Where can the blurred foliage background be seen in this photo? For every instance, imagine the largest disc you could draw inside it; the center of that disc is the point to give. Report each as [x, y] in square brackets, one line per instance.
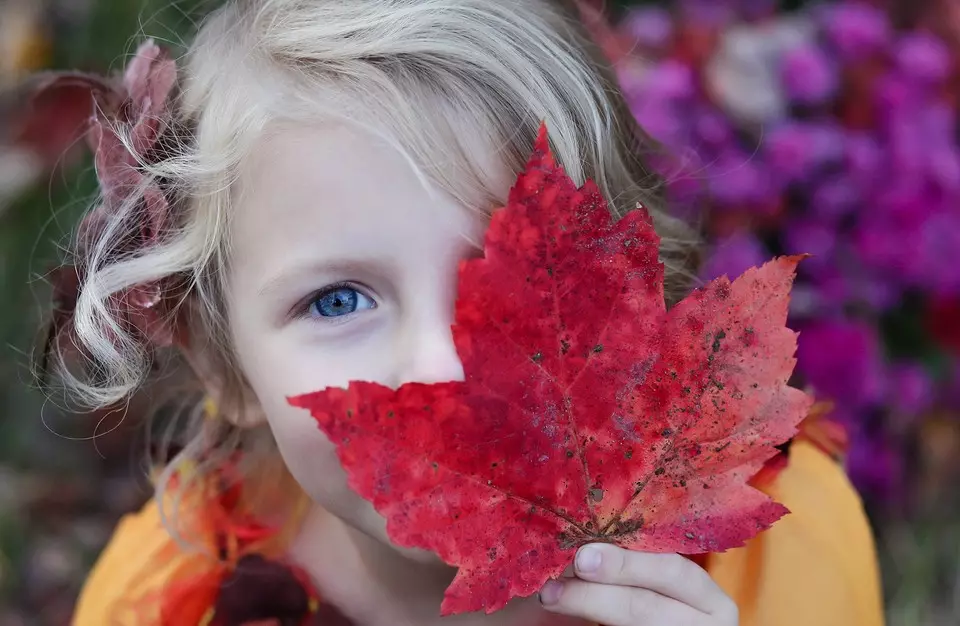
[828, 127]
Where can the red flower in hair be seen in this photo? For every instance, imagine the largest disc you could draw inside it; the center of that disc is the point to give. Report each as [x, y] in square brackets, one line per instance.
[133, 107]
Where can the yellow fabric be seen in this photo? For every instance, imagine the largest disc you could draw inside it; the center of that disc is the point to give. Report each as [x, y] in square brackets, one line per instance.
[123, 587]
[815, 567]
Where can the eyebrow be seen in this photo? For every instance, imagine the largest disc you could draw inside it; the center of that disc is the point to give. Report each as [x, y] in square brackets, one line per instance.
[294, 273]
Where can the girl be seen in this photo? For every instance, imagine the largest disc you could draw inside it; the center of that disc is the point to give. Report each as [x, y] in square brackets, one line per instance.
[286, 211]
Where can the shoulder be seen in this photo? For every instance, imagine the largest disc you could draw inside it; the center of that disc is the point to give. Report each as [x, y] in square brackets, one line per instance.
[818, 564]
[124, 586]
[215, 569]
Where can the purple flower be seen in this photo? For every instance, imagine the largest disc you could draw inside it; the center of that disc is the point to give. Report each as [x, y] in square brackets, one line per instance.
[876, 291]
[938, 242]
[841, 360]
[834, 288]
[834, 198]
[713, 128]
[910, 388]
[884, 247]
[755, 9]
[650, 26]
[734, 255]
[670, 80]
[660, 119]
[706, 12]
[738, 180]
[808, 235]
[788, 150]
[809, 76]
[854, 29]
[864, 158]
[924, 58]
[906, 148]
[795, 150]
[943, 167]
[875, 467]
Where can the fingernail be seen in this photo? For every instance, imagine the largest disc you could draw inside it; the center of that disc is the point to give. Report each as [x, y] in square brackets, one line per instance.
[551, 592]
[588, 560]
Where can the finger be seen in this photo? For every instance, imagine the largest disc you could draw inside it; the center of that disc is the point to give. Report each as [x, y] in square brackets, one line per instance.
[615, 605]
[670, 575]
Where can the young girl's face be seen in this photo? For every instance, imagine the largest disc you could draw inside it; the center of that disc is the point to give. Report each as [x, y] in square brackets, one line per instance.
[344, 267]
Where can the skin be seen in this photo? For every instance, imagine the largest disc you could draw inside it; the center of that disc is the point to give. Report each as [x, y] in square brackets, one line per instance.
[325, 205]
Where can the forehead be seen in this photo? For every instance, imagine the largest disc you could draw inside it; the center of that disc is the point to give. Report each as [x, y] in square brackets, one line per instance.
[336, 189]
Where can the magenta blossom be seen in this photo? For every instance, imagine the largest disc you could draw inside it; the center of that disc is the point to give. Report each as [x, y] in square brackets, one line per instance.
[841, 359]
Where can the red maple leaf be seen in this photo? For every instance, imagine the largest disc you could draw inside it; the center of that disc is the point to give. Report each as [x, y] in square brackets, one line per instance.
[588, 411]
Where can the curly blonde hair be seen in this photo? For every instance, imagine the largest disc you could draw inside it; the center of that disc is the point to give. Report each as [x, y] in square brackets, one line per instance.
[495, 67]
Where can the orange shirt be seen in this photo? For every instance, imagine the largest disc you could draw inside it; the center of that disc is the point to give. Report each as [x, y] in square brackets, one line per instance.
[815, 567]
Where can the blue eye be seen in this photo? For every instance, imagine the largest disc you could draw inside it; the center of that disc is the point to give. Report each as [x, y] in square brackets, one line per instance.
[339, 300]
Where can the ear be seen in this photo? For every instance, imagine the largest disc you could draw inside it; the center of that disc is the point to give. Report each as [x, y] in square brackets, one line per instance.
[229, 395]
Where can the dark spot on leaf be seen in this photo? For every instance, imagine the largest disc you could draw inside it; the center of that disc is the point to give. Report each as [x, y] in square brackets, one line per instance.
[666, 432]
[536, 358]
[569, 454]
[349, 413]
[689, 535]
[659, 471]
[673, 375]
[494, 464]
[722, 448]
[564, 346]
[598, 347]
[716, 340]
[435, 466]
[390, 414]
[549, 271]
[596, 494]
[686, 391]
[628, 454]
[683, 483]
[755, 385]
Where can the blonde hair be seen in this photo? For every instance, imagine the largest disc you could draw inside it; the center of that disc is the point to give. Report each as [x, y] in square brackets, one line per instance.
[495, 67]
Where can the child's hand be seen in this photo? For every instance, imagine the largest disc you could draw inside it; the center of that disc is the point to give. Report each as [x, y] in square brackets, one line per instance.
[618, 587]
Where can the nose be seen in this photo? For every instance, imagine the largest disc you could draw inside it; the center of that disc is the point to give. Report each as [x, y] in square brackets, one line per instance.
[427, 354]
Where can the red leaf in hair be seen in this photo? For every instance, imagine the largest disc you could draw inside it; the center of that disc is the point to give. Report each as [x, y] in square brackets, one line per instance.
[149, 79]
[137, 106]
[57, 112]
